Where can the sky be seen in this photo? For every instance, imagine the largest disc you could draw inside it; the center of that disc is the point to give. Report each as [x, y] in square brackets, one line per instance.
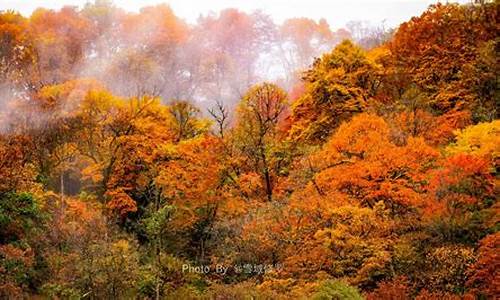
[336, 12]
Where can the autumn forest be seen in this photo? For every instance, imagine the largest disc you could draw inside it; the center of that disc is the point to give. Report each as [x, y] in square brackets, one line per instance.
[143, 156]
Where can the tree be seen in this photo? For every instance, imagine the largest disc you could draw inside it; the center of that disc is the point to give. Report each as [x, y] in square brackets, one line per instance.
[437, 48]
[17, 53]
[114, 127]
[151, 42]
[337, 290]
[358, 242]
[220, 115]
[340, 84]
[16, 172]
[20, 215]
[231, 42]
[362, 163]
[463, 201]
[481, 140]
[342, 221]
[256, 133]
[62, 40]
[368, 35]
[300, 40]
[464, 182]
[485, 270]
[187, 121]
[80, 261]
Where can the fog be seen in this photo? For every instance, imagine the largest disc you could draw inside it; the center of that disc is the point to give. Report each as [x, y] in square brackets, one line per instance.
[203, 55]
[336, 12]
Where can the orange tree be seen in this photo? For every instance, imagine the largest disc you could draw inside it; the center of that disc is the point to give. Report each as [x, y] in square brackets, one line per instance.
[442, 52]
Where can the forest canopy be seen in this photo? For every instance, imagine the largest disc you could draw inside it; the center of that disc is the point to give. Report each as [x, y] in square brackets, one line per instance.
[144, 157]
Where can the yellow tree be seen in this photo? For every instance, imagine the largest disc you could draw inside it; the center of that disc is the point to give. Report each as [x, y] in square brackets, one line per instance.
[340, 84]
[482, 140]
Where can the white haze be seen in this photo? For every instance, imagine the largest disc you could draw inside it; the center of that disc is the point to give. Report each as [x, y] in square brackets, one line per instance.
[336, 12]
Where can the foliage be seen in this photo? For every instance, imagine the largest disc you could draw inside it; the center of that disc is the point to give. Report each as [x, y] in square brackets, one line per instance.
[19, 219]
[339, 85]
[437, 50]
[257, 134]
[377, 177]
[481, 140]
[396, 289]
[337, 290]
[485, 270]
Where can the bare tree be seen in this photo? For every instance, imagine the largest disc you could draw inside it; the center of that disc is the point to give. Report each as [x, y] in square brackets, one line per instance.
[221, 116]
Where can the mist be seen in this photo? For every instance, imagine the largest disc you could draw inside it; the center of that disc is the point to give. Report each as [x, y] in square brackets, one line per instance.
[215, 58]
